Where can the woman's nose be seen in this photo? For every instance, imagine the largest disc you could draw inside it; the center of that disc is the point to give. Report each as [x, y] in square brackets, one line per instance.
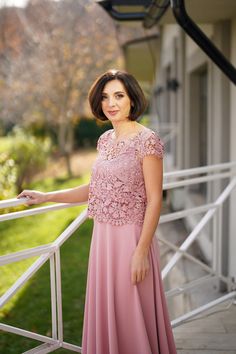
[111, 102]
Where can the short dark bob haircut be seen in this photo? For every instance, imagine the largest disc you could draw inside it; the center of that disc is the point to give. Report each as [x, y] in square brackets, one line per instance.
[133, 90]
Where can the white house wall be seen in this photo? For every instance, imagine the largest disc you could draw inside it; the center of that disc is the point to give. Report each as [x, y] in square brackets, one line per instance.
[181, 58]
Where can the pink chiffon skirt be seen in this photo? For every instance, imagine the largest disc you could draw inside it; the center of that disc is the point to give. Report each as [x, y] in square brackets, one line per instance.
[121, 318]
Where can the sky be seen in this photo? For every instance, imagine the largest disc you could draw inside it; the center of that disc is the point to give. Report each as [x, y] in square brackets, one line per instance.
[19, 3]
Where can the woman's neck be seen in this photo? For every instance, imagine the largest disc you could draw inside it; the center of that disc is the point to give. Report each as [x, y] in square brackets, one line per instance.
[124, 128]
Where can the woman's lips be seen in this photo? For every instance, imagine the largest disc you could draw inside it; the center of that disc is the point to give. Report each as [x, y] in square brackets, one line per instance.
[112, 113]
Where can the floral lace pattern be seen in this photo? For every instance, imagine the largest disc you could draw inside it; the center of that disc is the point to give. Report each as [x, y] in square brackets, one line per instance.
[117, 191]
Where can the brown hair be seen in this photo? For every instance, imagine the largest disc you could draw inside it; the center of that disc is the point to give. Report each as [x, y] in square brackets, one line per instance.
[132, 88]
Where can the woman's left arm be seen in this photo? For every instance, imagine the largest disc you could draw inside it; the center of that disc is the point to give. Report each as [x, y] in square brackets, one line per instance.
[153, 179]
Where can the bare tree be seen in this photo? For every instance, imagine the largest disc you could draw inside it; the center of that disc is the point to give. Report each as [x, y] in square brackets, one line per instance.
[71, 43]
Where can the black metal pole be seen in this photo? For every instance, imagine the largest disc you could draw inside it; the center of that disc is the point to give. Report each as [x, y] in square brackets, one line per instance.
[190, 27]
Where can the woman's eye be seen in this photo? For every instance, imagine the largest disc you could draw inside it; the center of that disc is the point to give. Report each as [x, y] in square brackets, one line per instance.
[119, 95]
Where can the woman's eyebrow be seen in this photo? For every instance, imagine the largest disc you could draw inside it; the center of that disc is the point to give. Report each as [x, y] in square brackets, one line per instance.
[104, 93]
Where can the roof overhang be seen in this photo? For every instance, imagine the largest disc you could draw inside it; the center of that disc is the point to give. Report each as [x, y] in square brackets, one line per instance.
[205, 11]
[187, 15]
[202, 11]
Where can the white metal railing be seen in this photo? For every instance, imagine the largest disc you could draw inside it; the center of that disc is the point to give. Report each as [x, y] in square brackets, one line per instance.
[51, 252]
[47, 252]
[212, 211]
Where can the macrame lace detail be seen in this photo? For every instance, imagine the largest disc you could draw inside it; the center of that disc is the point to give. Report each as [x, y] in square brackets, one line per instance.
[117, 190]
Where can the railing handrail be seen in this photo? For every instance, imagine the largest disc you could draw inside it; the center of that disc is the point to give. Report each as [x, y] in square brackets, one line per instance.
[166, 185]
[8, 203]
[35, 211]
[199, 170]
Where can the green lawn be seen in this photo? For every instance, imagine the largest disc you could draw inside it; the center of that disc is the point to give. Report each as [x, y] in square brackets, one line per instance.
[30, 307]
[5, 143]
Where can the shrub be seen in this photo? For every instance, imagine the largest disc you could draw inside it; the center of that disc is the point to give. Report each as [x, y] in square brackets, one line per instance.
[87, 132]
[29, 155]
[8, 176]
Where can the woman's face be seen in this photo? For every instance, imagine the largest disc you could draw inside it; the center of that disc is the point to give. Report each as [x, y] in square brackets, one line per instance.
[115, 101]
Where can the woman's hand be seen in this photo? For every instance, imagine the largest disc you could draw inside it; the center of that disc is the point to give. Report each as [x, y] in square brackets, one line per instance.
[139, 266]
[71, 195]
[34, 197]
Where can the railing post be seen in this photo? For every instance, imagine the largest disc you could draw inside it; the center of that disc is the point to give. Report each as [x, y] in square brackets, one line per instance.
[53, 297]
[59, 296]
[216, 244]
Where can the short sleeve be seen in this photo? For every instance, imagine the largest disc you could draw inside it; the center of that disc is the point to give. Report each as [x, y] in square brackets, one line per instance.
[152, 145]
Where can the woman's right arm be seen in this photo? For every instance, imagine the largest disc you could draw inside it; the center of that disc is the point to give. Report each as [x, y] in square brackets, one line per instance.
[72, 195]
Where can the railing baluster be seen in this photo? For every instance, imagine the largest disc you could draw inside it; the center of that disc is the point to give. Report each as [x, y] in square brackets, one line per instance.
[59, 296]
[198, 228]
[53, 297]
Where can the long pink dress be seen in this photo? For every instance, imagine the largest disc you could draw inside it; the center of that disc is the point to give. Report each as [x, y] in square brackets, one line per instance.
[121, 318]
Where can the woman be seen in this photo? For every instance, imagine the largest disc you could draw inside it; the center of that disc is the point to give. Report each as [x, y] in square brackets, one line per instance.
[125, 307]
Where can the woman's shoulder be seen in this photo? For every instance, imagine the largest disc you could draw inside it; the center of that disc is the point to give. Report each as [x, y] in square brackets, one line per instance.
[151, 143]
[103, 138]
[147, 133]
[106, 133]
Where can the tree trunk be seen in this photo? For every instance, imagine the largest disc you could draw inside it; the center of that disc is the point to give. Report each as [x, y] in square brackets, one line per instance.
[66, 142]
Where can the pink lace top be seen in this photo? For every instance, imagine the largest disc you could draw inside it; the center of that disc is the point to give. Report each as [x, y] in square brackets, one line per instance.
[117, 191]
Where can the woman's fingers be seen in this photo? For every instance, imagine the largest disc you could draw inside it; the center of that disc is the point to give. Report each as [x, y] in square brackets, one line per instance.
[33, 197]
[133, 278]
[143, 275]
[28, 196]
[21, 195]
[138, 276]
[25, 194]
[139, 267]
